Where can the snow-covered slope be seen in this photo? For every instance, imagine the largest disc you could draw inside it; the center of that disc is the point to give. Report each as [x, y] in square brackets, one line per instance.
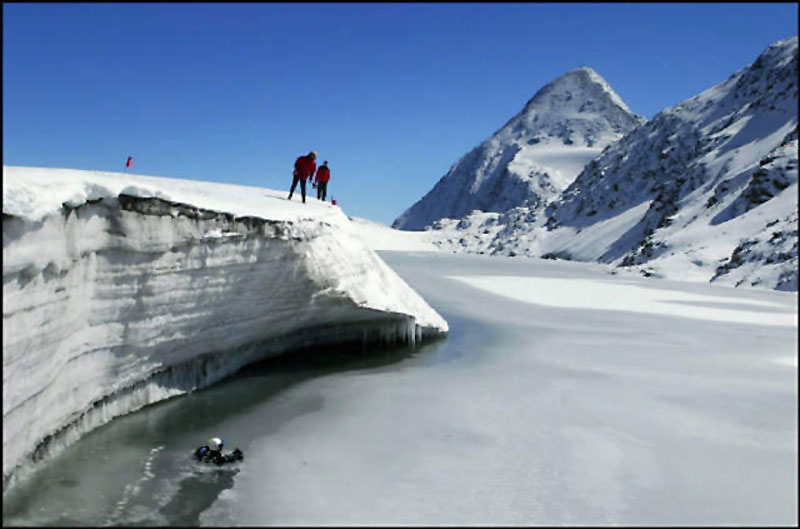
[121, 290]
[705, 191]
[381, 237]
[534, 156]
[716, 171]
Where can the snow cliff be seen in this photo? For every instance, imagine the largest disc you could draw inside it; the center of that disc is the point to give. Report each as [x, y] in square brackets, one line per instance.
[534, 156]
[122, 290]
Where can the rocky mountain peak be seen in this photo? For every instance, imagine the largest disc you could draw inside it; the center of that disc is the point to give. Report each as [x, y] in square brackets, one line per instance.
[574, 88]
[577, 108]
[534, 156]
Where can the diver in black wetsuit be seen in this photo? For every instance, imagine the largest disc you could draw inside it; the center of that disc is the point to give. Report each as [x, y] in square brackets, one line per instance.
[212, 453]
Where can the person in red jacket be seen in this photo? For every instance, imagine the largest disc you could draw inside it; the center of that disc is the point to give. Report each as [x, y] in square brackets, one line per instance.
[304, 168]
[322, 178]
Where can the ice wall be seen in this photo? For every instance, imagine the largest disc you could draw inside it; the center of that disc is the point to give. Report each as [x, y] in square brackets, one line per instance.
[122, 301]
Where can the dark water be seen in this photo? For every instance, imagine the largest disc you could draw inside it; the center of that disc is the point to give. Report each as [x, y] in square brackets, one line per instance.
[138, 469]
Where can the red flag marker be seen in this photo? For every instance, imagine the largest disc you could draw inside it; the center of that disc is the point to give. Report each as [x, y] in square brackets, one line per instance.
[129, 162]
[333, 201]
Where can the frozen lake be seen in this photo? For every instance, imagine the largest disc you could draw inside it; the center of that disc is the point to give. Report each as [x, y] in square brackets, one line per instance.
[563, 395]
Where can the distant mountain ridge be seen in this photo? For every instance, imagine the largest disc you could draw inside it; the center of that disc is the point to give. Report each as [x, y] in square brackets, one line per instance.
[534, 156]
[706, 190]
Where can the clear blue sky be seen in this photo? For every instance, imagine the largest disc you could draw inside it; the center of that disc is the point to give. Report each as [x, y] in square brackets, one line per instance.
[391, 94]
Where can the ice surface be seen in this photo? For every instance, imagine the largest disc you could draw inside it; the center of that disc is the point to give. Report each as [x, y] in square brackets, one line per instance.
[532, 412]
[536, 414]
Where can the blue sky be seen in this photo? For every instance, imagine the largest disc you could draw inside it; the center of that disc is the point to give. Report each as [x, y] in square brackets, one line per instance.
[391, 94]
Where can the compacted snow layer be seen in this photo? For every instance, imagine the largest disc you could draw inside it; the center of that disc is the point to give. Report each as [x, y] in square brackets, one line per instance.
[115, 295]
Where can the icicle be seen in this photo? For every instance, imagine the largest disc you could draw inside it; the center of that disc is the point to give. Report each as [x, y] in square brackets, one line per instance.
[411, 332]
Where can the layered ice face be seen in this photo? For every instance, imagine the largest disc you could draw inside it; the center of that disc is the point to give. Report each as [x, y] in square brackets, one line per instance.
[117, 295]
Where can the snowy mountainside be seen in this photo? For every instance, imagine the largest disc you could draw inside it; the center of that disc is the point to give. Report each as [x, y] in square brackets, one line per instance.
[712, 169]
[534, 156]
[704, 191]
[121, 290]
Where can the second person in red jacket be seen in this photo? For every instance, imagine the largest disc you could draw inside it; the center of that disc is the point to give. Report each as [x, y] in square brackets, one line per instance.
[322, 178]
[304, 168]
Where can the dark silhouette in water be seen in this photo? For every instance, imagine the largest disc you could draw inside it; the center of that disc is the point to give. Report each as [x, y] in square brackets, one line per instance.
[212, 453]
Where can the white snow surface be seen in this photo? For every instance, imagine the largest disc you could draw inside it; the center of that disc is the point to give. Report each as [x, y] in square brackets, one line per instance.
[381, 237]
[33, 193]
[612, 295]
[120, 290]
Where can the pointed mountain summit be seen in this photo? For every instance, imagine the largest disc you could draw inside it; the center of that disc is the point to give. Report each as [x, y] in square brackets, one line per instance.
[579, 108]
[534, 156]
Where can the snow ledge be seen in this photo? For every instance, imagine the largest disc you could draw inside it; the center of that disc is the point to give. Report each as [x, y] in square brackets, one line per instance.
[118, 302]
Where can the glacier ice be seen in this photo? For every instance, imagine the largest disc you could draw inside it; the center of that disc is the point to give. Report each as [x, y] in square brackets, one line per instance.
[117, 301]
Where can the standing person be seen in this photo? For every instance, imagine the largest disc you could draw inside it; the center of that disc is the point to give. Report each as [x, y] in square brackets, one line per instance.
[304, 168]
[322, 178]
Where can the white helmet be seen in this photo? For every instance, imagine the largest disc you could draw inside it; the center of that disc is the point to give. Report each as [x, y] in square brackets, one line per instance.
[215, 443]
